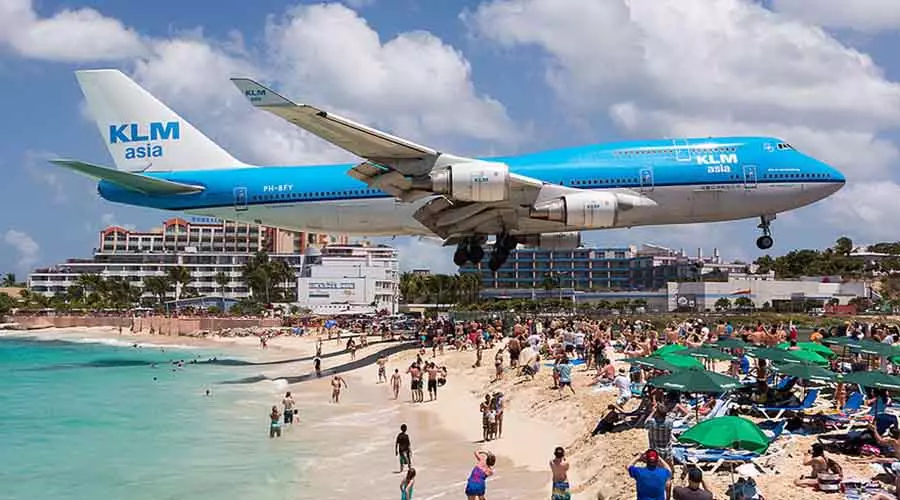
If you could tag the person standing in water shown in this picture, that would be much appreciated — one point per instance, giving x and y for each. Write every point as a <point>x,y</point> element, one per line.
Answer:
<point>318,365</point>
<point>403,449</point>
<point>432,371</point>
<point>560,469</point>
<point>288,403</point>
<point>274,422</point>
<point>381,370</point>
<point>406,486</point>
<point>476,485</point>
<point>396,379</point>
<point>336,388</point>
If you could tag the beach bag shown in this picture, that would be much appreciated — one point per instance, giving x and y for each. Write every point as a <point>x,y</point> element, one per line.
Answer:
<point>829,483</point>
<point>743,489</point>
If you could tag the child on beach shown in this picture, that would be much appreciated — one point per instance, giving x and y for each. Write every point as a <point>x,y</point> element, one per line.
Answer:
<point>406,486</point>
<point>476,485</point>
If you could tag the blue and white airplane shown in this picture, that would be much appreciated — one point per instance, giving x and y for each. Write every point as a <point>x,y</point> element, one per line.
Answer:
<point>402,188</point>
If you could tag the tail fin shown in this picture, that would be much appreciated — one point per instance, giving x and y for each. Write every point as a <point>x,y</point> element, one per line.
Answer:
<point>143,134</point>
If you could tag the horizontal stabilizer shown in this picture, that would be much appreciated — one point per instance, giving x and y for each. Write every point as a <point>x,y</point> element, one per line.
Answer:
<point>135,182</point>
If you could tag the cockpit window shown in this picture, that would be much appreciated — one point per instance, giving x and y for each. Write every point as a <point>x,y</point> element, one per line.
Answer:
<point>784,145</point>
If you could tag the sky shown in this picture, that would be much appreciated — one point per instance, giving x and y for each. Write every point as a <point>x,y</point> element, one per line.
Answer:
<point>474,77</point>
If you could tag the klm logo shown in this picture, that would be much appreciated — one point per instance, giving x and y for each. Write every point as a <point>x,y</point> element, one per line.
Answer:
<point>255,95</point>
<point>724,158</point>
<point>146,135</point>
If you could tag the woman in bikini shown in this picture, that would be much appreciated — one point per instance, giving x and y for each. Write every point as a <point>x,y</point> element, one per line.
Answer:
<point>476,485</point>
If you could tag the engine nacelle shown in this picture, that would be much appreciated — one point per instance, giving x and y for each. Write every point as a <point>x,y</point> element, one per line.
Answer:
<point>581,210</point>
<point>473,181</point>
<point>552,241</point>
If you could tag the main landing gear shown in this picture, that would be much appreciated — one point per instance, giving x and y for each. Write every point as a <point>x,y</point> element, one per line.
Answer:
<point>765,241</point>
<point>468,250</point>
<point>502,248</point>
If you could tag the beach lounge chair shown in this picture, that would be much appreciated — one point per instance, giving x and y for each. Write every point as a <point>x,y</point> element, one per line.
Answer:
<point>778,411</point>
<point>720,457</point>
<point>721,409</point>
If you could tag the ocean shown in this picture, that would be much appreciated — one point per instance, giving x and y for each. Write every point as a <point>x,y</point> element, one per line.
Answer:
<point>101,419</point>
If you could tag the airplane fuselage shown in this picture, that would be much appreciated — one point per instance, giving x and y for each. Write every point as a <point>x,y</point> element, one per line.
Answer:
<point>691,180</point>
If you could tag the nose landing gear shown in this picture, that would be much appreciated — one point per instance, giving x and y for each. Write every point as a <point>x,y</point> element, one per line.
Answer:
<point>765,241</point>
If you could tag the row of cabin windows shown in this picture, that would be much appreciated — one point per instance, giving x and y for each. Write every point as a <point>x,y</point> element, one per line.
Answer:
<point>672,151</point>
<point>603,181</point>
<point>304,196</point>
<point>732,177</point>
<point>796,176</point>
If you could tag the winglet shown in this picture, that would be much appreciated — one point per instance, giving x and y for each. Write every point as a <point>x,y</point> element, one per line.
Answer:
<point>260,95</point>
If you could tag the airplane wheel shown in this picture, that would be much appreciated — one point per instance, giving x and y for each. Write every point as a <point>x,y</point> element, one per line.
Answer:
<point>764,242</point>
<point>460,256</point>
<point>476,253</point>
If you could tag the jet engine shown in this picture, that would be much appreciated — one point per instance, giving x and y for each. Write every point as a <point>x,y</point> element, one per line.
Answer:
<point>585,210</point>
<point>552,241</point>
<point>472,181</point>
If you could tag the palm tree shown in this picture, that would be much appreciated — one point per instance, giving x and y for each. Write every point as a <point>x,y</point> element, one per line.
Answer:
<point>180,276</point>
<point>222,281</point>
<point>90,283</point>
<point>159,286</point>
<point>9,280</point>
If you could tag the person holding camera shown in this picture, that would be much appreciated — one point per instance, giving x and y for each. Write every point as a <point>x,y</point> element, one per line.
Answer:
<point>696,488</point>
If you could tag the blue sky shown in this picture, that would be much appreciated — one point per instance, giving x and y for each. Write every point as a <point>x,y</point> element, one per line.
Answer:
<point>474,77</point>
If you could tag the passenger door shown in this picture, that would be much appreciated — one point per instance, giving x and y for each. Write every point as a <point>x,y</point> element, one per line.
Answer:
<point>750,178</point>
<point>646,176</point>
<point>240,199</point>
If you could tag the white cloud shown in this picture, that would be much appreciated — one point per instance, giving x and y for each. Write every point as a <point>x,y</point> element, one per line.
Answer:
<point>37,166</point>
<point>25,246</point>
<point>861,15</point>
<point>670,66</point>
<point>871,207</point>
<point>109,219</point>
<point>68,35</point>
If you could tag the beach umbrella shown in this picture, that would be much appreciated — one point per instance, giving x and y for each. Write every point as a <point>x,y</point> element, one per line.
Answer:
<point>819,349</point>
<point>669,363</point>
<point>873,379</point>
<point>782,356</point>
<point>841,341</point>
<point>730,344</point>
<point>704,352</point>
<point>806,371</point>
<point>866,346</point>
<point>696,380</point>
<point>727,432</point>
<point>668,349</point>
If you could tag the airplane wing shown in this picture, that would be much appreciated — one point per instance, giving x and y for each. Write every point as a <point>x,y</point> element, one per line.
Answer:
<point>468,196</point>
<point>135,182</point>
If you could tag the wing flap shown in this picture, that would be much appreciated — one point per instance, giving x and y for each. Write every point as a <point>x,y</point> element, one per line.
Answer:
<point>135,182</point>
<point>363,141</point>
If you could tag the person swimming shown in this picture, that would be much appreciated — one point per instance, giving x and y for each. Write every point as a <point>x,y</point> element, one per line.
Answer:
<point>476,485</point>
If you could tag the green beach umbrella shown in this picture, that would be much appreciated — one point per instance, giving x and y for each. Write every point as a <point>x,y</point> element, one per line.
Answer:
<point>806,371</point>
<point>807,356</point>
<point>866,346</point>
<point>873,379</point>
<point>727,432</point>
<point>652,362</point>
<point>668,349</point>
<point>730,344</point>
<point>819,349</point>
<point>696,380</point>
<point>841,341</point>
<point>704,352</point>
<point>682,362</point>
<point>782,356</point>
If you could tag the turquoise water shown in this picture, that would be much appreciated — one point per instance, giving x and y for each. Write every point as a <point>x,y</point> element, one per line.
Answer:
<point>88,421</point>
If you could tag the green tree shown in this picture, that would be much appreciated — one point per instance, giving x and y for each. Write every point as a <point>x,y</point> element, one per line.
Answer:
<point>267,278</point>
<point>7,304</point>
<point>843,246</point>
<point>551,281</point>
<point>9,280</point>
<point>221,281</point>
<point>180,276</point>
<point>743,303</point>
<point>723,304</point>
<point>158,286</point>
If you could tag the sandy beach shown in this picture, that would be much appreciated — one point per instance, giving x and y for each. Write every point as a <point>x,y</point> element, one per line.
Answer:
<point>535,421</point>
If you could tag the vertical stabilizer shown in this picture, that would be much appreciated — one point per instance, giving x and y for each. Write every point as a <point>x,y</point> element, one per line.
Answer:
<point>143,134</point>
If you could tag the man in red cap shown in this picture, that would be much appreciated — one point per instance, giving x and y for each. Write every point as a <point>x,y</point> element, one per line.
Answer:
<point>653,480</point>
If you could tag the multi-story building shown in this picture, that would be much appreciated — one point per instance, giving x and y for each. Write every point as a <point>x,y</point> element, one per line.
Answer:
<point>350,279</point>
<point>631,268</point>
<point>206,247</point>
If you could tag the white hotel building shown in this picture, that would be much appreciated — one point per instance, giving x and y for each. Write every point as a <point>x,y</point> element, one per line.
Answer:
<point>204,246</point>
<point>350,279</point>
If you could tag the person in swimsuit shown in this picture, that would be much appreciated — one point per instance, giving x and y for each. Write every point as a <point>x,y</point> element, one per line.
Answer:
<point>560,469</point>
<point>381,371</point>
<point>406,486</point>
<point>336,388</point>
<point>275,422</point>
<point>403,449</point>
<point>432,371</point>
<point>288,403</point>
<point>476,485</point>
<point>395,383</point>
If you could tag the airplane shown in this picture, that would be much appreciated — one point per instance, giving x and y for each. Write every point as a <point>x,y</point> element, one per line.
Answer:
<point>399,187</point>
